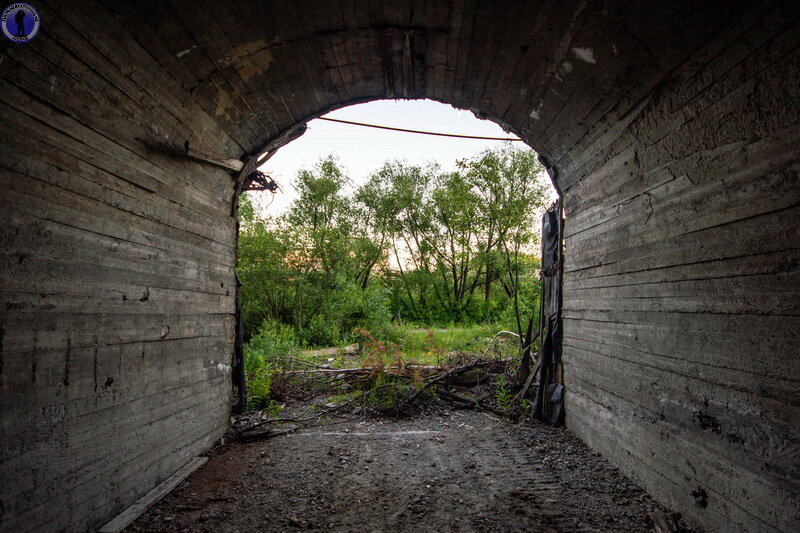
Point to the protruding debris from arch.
(259, 181)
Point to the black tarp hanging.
(551, 240)
(549, 402)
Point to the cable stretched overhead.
(420, 132)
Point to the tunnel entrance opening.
(372, 265)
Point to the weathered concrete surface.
(672, 129)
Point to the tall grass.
(270, 350)
(432, 345)
(276, 348)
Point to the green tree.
(411, 243)
(310, 269)
(513, 195)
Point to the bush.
(266, 353)
(274, 345)
(342, 309)
(389, 394)
(259, 386)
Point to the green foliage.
(387, 393)
(504, 393)
(413, 244)
(274, 345)
(459, 239)
(431, 345)
(312, 269)
(268, 351)
(259, 383)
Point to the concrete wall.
(671, 128)
(117, 281)
(682, 288)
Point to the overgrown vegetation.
(415, 264)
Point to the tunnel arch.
(671, 130)
(413, 119)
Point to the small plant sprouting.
(259, 385)
(504, 393)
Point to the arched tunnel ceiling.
(552, 72)
(672, 129)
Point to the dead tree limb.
(473, 402)
(439, 379)
(528, 382)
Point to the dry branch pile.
(375, 388)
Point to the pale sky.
(362, 151)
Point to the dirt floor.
(451, 471)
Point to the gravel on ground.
(451, 471)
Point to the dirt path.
(459, 471)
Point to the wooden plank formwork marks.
(672, 131)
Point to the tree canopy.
(412, 243)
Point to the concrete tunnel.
(671, 129)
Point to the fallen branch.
(362, 369)
(247, 436)
(308, 363)
(491, 342)
(469, 402)
(439, 379)
(524, 390)
(475, 402)
(243, 432)
(327, 371)
(322, 352)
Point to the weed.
(275, 345)
(503, 393)
(432, 345)
(259, 385)
(271, 350)
(387, 393)
(379, 354)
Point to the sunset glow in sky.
(362, 151)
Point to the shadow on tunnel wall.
(671, 129)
